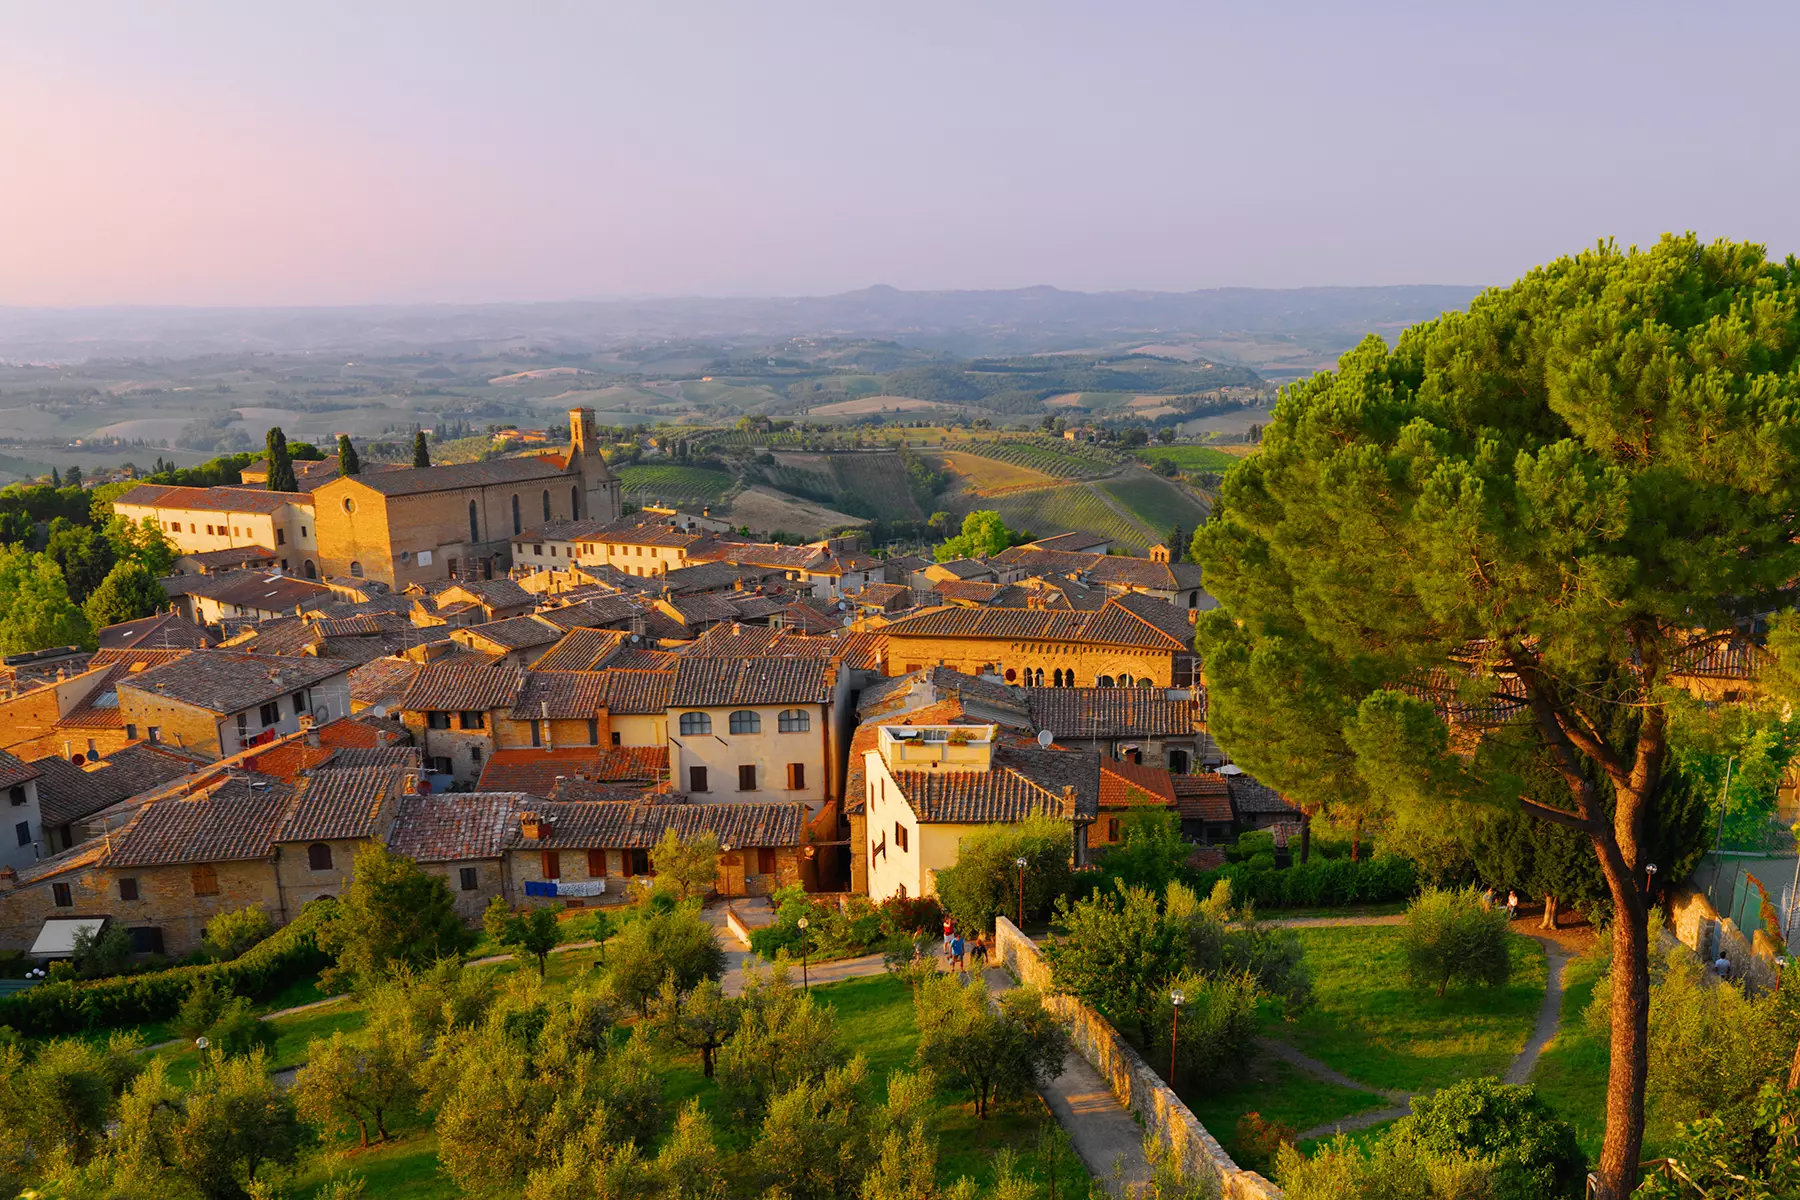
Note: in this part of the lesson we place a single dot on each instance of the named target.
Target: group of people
(1512, 903)
(955, 949)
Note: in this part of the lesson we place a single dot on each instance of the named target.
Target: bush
(1533, 1151)
(289, 954)
(1262, 860)
(985, 881)
(1320, 883)
(1454, 937)
(1258, 1141)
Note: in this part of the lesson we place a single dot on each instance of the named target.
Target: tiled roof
(1113, 712)
(462, 687)
(701, 607)
(614, 826)
(585, 529)
(382, 681)
(232, 821)
(884, 594)
(163, 631)
(537, 771)
(637, 693)
(975, 797)
(1202, 798)
(1123, 784)
(454, 826)
(141, 766)
(635, 658)
(559, 695)
(235, 556)
(224, 681)
(804, 618)
(459, 475)
(974, 591)
(1176, 622)
(513, 633)
(211, 499)
(761, 554)
(136, 654)
(582, 650)
(935, 682)
(340, 804)
(1111, 625)
(967, 568)
(374, 756)
(714, 576)
(725, 682)
(263, 592)
(1076, 542)
(494, 593)
(868, 737)
(739, 641)
(1250, 796)
(591, 614)
(90, 853)
(751, 606)
(860, 650)
(68, 793)
(1113, 569)
(99, 708)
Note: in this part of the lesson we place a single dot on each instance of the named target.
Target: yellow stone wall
(972, 656)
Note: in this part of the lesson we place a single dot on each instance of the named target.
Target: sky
(381, 151)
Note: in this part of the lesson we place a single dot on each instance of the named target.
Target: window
(128, 889)
(23, 831)
(899, 835)
(1193, 599)
(517, 525)
(695, 723)
(16, 793)
(311, 571)
(615, 737)
(796, 773)
(1125, 681)
(467, 879)
(1178, 762)
(1056, 680)
(281, 537)
(794, 720)
(205, 879)
(349, 505)
(747, 778)
(552, 864)
(154, 733)
(318, 857)
(356, 570)
(745, 721)
(474, 523)
(640, 863)
(546, 504)
(303, 531)
(437, 720)
(765, 861)
(209, 529)
(696, 779)
(131, 733)
(59, 893)
(93, 750)
(537, 733)
(1112, 829)
(1104, 681)
(146, 939)
(1149, 683)
(440, 764)
(593, 731)
(596, 864)
(574, 504)
(471, 719)
(537, 548)
(299, 699)
(269, 714)
(475, 755)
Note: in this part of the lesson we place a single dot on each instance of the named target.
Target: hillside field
(1155, 501)
(1189, 458)
(689, 485)
(985, 474)
(1067, 508)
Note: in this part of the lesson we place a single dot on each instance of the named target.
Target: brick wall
(489, 882)
(300, 883)
(1136, 1085)
(181, 725)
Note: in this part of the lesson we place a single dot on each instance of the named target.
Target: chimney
(533, 826)
(1068, 802)
(312, 738)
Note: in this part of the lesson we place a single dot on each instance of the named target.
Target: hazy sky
(315, 152)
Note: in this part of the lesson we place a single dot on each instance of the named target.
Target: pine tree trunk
(1630, 1067)
(1549, 913)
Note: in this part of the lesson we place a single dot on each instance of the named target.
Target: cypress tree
(348, 462)
(421, 452)
(281, 467)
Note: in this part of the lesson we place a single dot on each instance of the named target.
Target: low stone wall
(1137, 1086)
(1699, 927)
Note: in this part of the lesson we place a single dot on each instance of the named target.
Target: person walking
(956, 951)
(978, 952)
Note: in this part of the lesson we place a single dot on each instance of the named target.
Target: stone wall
(1132, 1080)
(1698, 926)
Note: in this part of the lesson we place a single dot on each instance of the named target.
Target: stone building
(218, 703)
(23, 842)
(1152, 726)
(452, 710)
(196, 520)
(450, 522)
(744, 726)
(335, 814)
(461, 836)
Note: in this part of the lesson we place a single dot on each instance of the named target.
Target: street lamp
(1176, 1000)
(1649, 878)
(1021, 864)
(805, 982)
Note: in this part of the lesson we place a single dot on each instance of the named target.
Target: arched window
(1143, 683)
(546, 504)
(794, 720)
(745, 721)
(1193, 599)
(516, 526)
(318, 856)
(356, 569)
(575, 504)
(1104, 681)
(1038, 675)
(312, 572)
(1056, 679)
(474, 523)
(1125, 681)
(696, 723)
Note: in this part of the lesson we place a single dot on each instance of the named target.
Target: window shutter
(596, 864)
(747, 779)
(696, 779)
(206, 880)
(552, 864)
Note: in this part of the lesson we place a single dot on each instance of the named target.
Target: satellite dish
(380, 711)
(1045, 737)
(849, 621)
(634, 638)
(843, 604)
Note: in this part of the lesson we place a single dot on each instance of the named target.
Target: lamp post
(1021, 865)
(1649, 878)
(805, 982)
(1176, 1000)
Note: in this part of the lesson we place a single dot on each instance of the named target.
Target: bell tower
(600, 488)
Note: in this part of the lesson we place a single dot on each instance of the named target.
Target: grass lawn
(1386, 908)
(1369, 1025)
(404, 1169)
(1280, 1091)
(293, 1035)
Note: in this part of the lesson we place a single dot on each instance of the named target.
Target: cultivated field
(863, 405)
(1068, 508)
(990, 474)
(1155, 501)
(766, 511)
(678, 485)
(1190, 458)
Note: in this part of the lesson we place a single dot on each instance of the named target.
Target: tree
(689, 868)
(213, 1140)
(1455, 937)
(281, 465)
(1166, 434)
(145, 542)
(702, 1019)
(984, 883)
(360, 1082)
(998, 1053)
(392, 914)
(1117, 953)
(1521, 522)
(421, 451)
(129, 592)
(815, 1134)
(73, 478)
(85, 557)
(348, 462)
(660, 945)
(983, 533)
(239, 1031)
(38, 612)
(232, 931)
(1178, 542)
(99, 955)
(534, 931)
(783, 1037)
(1533, 1151)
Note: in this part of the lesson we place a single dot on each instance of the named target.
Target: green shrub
(1262, 860)
(1320, 883)
(1256, 841)
(49, 1009)
(1533, 1151)
(1454, 937)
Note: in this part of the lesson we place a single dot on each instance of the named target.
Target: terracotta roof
(92, 852)
(1112, 712)
(458, 475)
(492, 593)
(99, 708)
(585, 529)
(513, 633)
(700, 607)
(340, 804)
(975, 797)
(753, 607)
(1114, 569)
(615, 826)
(631, 658)
(211, 499)
(742, 641)
(382, 681)
(641, 530)
(224, 681)
(463, 687)
(537, 771)
(455, 826)
(1178, 623)
(1112, 625)
(374, 756)
(582, 650)
(163, 631)
(1076, 542)
(141, 766)
(637, 693)
(860, 650)
(1123, 785)
(234, 820)
(235, 556)
(762, 554)
(883, 595)
(258, 590)
(68, 793)
(559, 695)
(966, 568)
(136, 654)
(594, 613)
(868, 737)
(935, 682)
(1206, 858)
(725, 682)
(1202, 798)
(1250, 796)
(715, 576)
(974, 591)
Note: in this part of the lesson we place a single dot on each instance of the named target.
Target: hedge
(290, 953)
(1322, 882)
